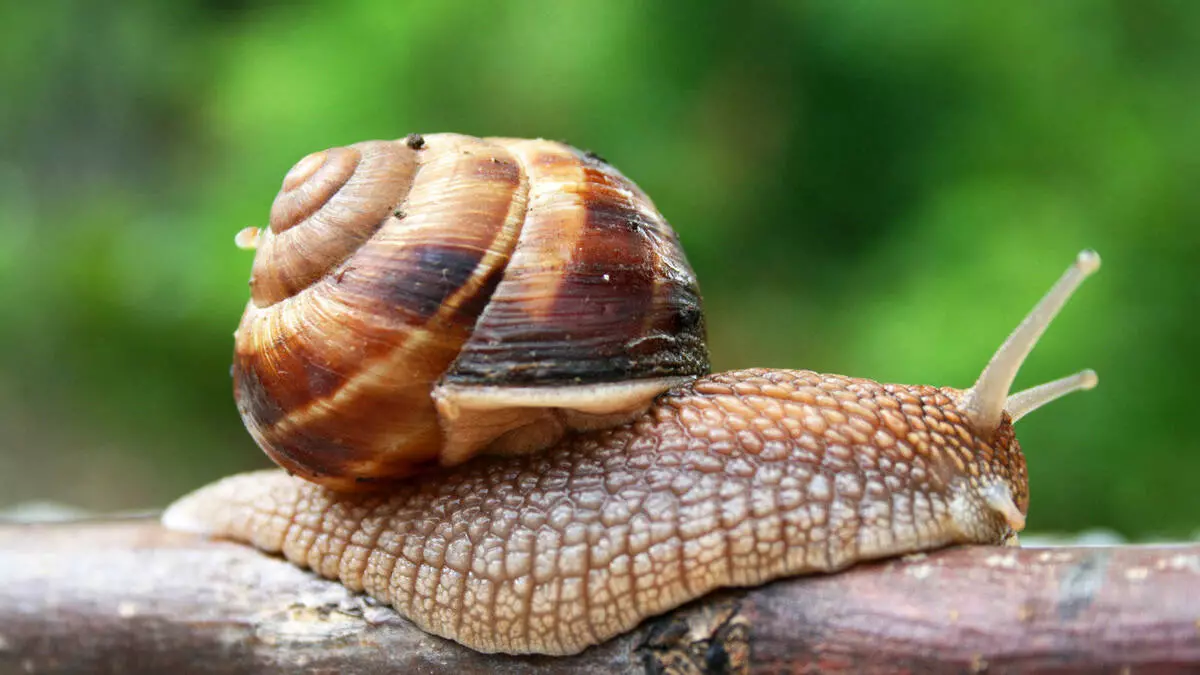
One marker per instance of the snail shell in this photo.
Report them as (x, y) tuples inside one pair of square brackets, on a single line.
[(416, 302)]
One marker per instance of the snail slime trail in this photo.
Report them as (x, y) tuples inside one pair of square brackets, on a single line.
[(542, 365)]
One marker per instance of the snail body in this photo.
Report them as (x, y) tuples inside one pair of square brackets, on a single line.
[(583, 522)]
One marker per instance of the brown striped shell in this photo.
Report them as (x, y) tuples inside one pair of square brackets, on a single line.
[(415, 302)]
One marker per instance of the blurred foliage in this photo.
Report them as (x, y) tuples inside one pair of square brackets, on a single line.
[(869, 187)]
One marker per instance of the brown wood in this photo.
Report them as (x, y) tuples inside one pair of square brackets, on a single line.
[(131, 597)]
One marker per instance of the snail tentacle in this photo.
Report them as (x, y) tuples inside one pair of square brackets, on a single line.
[(984, 403), (1024, 402)]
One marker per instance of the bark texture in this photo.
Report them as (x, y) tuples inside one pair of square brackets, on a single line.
[(131, 597)]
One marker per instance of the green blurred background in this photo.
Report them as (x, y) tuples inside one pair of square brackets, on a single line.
[(874, 188)]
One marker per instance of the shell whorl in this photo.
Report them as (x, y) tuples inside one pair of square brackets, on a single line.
[(330, 203), (398, 280)]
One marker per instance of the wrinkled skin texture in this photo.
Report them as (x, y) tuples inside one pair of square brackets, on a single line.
[(733, 480)]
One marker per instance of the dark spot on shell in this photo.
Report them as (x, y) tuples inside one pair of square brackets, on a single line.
[(473, 306), (313, 455), (417, 281), (449, 268), (399, 214), (589, 154), (253, 397), (415, 141)]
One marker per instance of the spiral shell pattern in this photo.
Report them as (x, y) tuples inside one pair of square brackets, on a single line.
[(400, 281)]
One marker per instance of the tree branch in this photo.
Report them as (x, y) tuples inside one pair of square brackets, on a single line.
[(131, 597)]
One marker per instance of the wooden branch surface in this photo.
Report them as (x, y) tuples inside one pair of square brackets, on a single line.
[(131, 597)]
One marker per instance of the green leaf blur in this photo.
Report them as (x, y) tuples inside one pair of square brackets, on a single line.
[(867, 187)]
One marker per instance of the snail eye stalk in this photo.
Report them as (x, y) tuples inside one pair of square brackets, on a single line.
[(1024, 402), (986, 401)]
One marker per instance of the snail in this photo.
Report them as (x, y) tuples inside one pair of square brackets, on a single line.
[(559, 465)]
